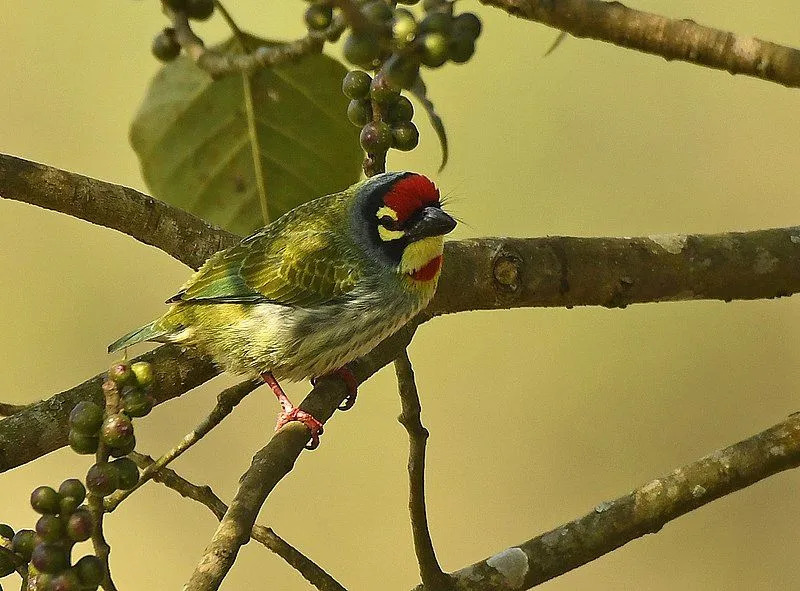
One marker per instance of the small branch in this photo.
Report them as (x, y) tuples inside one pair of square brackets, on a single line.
[(6, 410), (226, 402), (646, 510), (310, 571), (672, 39), (430, 572), (275, 460)]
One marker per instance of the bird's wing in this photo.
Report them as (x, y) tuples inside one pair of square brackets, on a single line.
[(307, 270)]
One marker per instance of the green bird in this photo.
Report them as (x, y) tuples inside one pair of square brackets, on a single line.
[(315, 289)]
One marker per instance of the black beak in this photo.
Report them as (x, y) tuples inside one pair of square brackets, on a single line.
[(432, 222)]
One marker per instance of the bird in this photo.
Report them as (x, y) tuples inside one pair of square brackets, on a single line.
[(315, 289)]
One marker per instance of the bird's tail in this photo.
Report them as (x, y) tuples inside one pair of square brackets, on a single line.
[(149, 332)]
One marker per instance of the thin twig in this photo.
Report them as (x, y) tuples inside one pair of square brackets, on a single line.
[(430, 572), (226, 402), (646, 510), (672, 39), (312, 572)]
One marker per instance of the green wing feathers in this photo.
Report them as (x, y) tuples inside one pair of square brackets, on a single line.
[(149, 332)]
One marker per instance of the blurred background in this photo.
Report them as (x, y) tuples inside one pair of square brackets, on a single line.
[(566, 407)]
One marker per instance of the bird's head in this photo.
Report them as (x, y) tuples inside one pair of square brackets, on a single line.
[(400, 221)]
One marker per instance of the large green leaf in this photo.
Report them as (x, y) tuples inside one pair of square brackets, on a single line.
[(191, 137)]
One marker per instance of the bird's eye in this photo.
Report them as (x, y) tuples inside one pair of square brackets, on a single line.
[(388, 223)]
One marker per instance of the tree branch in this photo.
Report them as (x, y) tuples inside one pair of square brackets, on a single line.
[(672, 39), (310, 571), (276, 459), (646, 510), (430, 572)]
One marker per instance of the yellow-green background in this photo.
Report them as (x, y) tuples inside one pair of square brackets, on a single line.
[(557, 409)]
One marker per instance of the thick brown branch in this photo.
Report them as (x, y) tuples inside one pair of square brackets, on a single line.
[(646, 510), (310, 571), (430, 572), (275, 460), (672, 39)]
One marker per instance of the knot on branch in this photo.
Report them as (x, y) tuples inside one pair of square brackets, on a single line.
[(505, 271)]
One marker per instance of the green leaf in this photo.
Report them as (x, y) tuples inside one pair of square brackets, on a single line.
[(191, 137), (420, 92)]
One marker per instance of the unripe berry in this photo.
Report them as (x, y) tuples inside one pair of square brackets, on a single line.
[(436, 22), (116, 430), (45, 500), (50, 558), (127, 447), (461, 48), (377, 12), (50, 528), (83, 444), (74, 489), (127, 472), (382, 91), (376, 137), (401, 71), (136, 402), (120, 372), (80, 524), (404, 27), (435, 49), (318, 16), (359, 112), (86, 418), (405, 136), (361, 49), (23, 542), (400, 110), (467, 24), (165, 47), (356, 84), (102, 479), (143, 372), (199, 9), (90, 570), (6, 531)]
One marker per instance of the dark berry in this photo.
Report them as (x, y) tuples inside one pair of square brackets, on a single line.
[(408, 2), (23, 542), (136, 402), (359, 112), (86, 418), (102, 479), (405, 136), (461, 48), (176, 4), (434, 5), (400, 110), (382, 91), (467, 24), (199, 9), (66, 581), (74, 489), (6, 531), (165, 47), (45, 500), (401, 71), (116, 430), (435, 49), (143, 372), (361, 49), (436, 22), (90, 570), (50, 528), (127, 471), (67, 505), (83, 444), (80, 524), (120, 372), (356, 84), (375, 137), (318, 16), (377, 11), (50, 558), (126, 448)]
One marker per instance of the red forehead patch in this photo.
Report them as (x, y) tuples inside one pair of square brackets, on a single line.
[(410, 194)]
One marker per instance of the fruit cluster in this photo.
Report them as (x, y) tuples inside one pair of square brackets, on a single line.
[(64, 522), (165, 46)]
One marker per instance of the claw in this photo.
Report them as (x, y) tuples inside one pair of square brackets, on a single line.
[(291, 413), (351, 383)]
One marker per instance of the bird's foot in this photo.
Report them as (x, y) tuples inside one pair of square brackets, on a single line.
[(350, 381), (291, 413), (295, 414)]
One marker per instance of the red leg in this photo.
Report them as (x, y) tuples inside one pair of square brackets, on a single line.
[(291, 413), (349, 380)]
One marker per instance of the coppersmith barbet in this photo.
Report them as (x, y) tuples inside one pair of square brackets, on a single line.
[(315, 289)]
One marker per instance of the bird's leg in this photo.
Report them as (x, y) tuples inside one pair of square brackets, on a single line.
[(352, 386), (291, 413)]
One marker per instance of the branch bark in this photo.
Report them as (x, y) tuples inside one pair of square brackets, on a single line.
[(672, 39), (646, 510)]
